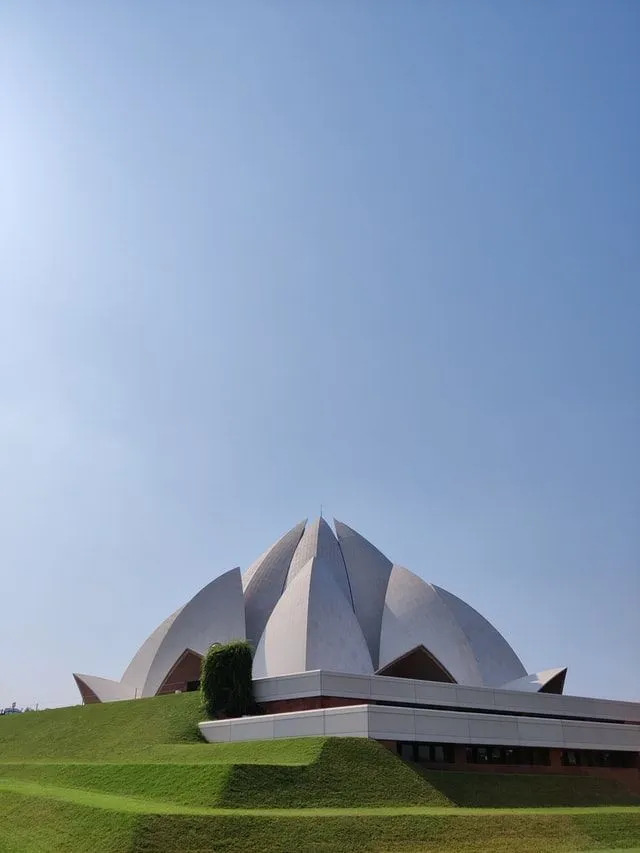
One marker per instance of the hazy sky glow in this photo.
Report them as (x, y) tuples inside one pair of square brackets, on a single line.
[(259, 256)]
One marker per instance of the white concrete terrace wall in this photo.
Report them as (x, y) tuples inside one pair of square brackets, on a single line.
[(422, 724), (388, 689), (465, 727), (334, 722)]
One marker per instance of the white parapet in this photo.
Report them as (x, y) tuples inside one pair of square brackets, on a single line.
[(335, 722), (383, 722), (382, 688)]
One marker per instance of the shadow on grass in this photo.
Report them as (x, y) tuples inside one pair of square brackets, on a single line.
[(525, 790)]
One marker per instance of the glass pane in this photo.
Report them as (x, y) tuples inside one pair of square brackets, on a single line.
[(424, 752), (406, 751)]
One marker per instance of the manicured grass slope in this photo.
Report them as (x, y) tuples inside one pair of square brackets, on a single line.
[(40, 825), (35, 824), (128, 761), (527, 791), (345, 773), (510, 833), (117, 729)]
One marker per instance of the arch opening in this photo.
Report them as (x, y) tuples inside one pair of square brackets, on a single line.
[(184, 675), (555, 684), (87, 694), (420, 664)]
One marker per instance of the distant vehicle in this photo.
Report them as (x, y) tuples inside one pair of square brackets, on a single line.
[(11, 710)]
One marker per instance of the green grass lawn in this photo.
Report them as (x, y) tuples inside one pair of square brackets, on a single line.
[(135, 777), (111, 731), (35, 818)]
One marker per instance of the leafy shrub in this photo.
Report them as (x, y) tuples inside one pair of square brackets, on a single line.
[(226, 684)]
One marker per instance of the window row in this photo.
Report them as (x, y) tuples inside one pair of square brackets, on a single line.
[(434, 753), (444, 753), (507, 755), (597, 758)]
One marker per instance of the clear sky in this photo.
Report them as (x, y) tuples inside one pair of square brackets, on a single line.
[(259, 256)]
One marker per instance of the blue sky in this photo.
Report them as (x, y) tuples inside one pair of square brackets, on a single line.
[(255, 257)]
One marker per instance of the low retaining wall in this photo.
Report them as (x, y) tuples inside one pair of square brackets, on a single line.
[(389, 723)]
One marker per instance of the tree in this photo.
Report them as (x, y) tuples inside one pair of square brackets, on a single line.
[(226, 684)]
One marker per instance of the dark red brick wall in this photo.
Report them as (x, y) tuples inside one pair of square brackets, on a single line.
[(628, 776), (307, 703), (88, 696), (186, 669)]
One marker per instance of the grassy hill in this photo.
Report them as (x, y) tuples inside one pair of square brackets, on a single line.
[(135, 776)]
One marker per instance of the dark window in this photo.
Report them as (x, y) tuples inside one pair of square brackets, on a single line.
[(524, 755), (541, 756), (192, 686), (424, 752), (406, 751), (597, 758), (433, 753), (510, 756), (506, 755)]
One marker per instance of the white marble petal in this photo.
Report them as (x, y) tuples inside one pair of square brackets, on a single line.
[(319, 541), (214, 615), (497, 662), (315, 600), (265, 580), (104, 689), (414, 614), (312, 627), (135, 674), (536, 681), (368, 571)]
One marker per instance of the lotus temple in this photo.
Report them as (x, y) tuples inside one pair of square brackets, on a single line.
[(348, 643)]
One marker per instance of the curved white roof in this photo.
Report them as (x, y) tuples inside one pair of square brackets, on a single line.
[(313, 626), (319, 600), (104, 689), (265, 580), (214, 615), (536, 681), (497, 661), (136, 673), (415, 615), (368, 571), (319, 542)]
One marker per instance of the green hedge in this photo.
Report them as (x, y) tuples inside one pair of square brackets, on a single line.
[(226, 683)]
